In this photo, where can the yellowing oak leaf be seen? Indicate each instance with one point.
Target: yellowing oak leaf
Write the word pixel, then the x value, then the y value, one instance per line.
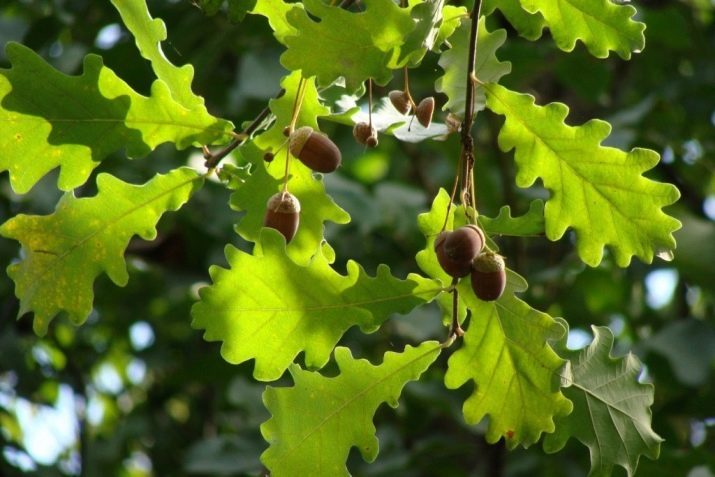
pixel 63 253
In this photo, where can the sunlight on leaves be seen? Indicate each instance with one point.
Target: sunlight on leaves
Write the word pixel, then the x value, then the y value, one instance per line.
pixel 317 421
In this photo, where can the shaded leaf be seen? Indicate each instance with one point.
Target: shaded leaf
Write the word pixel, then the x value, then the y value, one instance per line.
pixel 602 25
pixel 598 191
pixel 50 119
pixel 64 252
pixel 286 308
pixel 611 414
pixel 505 351
pixel 317 421
pixel 317 206
pixel 454 63
pixel 434 23
pixel 527 24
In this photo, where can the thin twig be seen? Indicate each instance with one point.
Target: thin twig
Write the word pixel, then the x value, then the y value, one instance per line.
pixel 213 158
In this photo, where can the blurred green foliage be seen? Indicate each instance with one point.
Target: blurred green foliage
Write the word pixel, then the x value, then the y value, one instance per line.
pixel 165 403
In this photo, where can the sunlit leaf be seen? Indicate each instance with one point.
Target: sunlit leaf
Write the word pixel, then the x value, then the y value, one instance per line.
pixel 63 253
pixel 531 223
pixel 285 308
pixel 50 119
pixel 317 421
pixel 598 191
pixel 602 25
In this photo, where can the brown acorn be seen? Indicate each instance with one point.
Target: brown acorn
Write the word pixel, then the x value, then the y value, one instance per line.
pixel 268 156
pixel 365 134
pixel 454 268
pixel 464 244
pixel 488 276
pixel 283 214
pixel 424 111
pixel 400 100
pixel 315 150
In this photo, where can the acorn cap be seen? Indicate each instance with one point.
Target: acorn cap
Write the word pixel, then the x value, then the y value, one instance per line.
pixel 315 150
pixel 424 111
pixel 363 131
pixel 283 214
pixel 489 262
pixel 400 100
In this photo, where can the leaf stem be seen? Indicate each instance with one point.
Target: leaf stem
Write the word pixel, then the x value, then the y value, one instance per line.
pixel 297 103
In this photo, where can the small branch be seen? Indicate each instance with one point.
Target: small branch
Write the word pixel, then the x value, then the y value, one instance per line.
pixel 468 194
pixel 213 158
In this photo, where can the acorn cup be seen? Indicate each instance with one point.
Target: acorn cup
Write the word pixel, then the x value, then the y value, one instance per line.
pixel 315 150
pixel 488 276
pixel 424 111
pixel 456 250
pixel 400 100
pixel 365 134
pixel 283 214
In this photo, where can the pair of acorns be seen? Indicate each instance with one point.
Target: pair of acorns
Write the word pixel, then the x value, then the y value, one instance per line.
pixel 316 151
pixel 402 102
pixel 460 253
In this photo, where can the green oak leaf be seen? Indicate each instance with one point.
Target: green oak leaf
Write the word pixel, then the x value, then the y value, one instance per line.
pixel 236 9
pixel 601 25
pixel 276 11
pixel 454 63
pixel 64 252
pixel 435 22
pixel 612 415
pixel 531 223
pixel 315 422
pixel 317 206
pixel 286 308
pixel 599 191
pixel 149 33
pixel 50 119
pixel 326 48
pixel 527 24
pixel 505 352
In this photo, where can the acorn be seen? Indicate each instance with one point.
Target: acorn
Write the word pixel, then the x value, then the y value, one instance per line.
pixel 365 134
pixel 315 150
pixel 464 244
pixel 424 111
pixel 400 100
pixel 283 214
pixel 454 268
pixel 488 276
pixel 268 156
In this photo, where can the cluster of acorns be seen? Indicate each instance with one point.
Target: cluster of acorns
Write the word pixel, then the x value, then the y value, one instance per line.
pixel 460 253
pixel 316 151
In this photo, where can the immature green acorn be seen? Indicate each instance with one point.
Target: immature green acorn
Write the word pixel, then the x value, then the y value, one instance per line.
pixel 283 214
pixel 365 134
pixel 456 250
pixel 424 111
pixel 400 100
pixel 315 150
pixel 488 276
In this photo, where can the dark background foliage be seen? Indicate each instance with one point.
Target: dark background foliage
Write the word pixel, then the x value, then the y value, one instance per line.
pixel 149 397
